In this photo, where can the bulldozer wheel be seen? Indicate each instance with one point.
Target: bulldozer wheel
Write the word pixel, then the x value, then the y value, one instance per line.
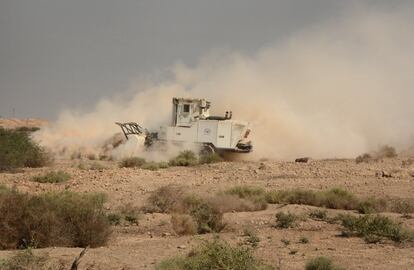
pixel 207 149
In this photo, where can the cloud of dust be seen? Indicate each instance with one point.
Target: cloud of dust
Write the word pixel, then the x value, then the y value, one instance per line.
pixel 335 89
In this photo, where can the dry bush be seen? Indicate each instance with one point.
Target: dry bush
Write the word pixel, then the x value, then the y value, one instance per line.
pixel 19 150
pixel 335 198
pixel 52 219
pixel 321 263
pixel 52 177
pixel 386 151
pixel 403 206
pixel 232 203
pixel 209 218
pixel 215 255
pixel 372 205
pixel 319 214
pixel 363 158
pixel 184 158
pixel 183 224
pixel 255 195
pixel 132 162
pixel 165 199
pixel 26 260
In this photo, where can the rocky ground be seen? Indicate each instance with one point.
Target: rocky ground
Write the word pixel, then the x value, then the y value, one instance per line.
pixel 152 240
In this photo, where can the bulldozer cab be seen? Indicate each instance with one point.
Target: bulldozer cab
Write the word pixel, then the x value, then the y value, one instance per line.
pixel 187 111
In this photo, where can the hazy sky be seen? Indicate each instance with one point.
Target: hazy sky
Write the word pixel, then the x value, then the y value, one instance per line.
pixel 57 54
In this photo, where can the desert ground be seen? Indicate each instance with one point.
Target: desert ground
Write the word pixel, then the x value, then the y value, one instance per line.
pixel 152 239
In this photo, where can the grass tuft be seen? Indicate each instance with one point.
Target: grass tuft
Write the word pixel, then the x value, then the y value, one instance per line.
pixel 184 158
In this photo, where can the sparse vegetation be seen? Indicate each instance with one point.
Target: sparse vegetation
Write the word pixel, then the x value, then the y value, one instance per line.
pixel 321 263
pixel 184 158
pixel 286 242
pixel 52 219
pixel 285 221
pixel 372 205
pixel 215 255
pixel 335 198
pixel 19 150
pixel 26 260
pixel 52 177
pixel 374 228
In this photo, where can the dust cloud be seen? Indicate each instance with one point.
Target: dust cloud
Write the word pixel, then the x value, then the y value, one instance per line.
pixel 334 89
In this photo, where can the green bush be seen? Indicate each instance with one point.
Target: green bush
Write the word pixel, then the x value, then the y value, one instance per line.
pixel 52 177
pixel 321 263
pixel 19 150
pixel 184 158
pixel 52 219
pixel 209 219
pixel 132 162
pixel 375 228
pixel 215 255
pixel 285 221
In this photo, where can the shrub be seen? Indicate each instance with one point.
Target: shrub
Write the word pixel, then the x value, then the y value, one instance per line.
pixel 403 206
pixel 52 177
pixel 208 218
pixel 19 150
pixel 114 218
pixel 303 240
pixel 319 214
pixel 152 166
pixel 52 219
pixel 183 224
pixel 165 199
pixel 254 194
pixel 285 221
pixel 371 205
pixel 363 158
pixel 246 191
pixel 132 162
pixel 215 255
pixel 252 238
pixel 321 263
pixel 184 158
pixel 386 151
pixel 375 228
pixel 26 260
pixel 129 213
pixel 210 158
pixel 232 203
pixel 335 198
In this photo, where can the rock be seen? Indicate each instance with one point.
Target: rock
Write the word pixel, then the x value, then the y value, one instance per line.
pixel 165 234
pixel 383 174
pixel 302 160
pixel 182 247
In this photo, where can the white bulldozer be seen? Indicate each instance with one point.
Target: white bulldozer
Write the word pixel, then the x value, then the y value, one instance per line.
pixel 192 123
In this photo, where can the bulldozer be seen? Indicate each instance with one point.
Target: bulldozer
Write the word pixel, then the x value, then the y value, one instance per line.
pixel 191 123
